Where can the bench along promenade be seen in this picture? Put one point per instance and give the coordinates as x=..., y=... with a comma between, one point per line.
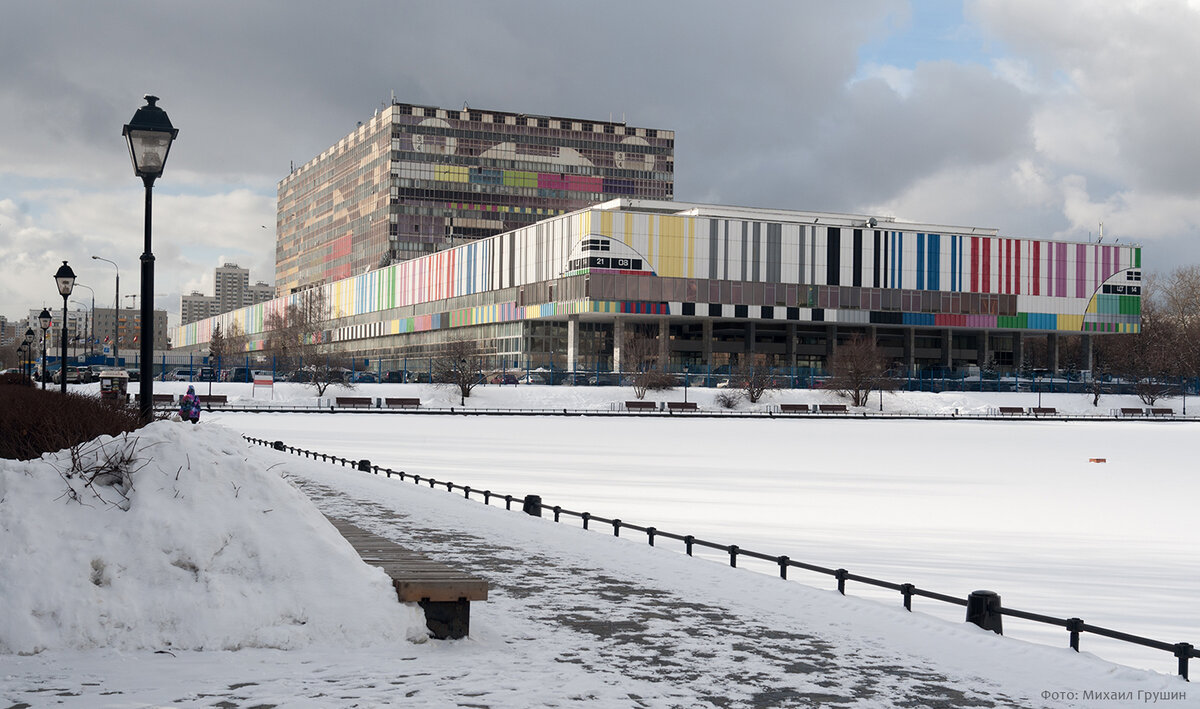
x=983, y=608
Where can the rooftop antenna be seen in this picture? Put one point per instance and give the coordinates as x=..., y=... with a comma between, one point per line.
x=1101, y=233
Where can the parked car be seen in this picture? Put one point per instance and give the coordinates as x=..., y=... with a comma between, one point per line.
x=533, y=378
x=241, y=374
x=363, y=378
x=394, y=376
x=206, y=374
x=74, y=375
x=504, y=379
x=134, y=374
x=181, y=375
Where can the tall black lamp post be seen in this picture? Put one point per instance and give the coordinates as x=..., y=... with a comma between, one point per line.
x=65, y=278
x=149, y=134
x=29, y=355
x=44, y=322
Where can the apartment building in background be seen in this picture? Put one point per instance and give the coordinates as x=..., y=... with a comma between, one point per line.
x=231, y=291
x=414, y=180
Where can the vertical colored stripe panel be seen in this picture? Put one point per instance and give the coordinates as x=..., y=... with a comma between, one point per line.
x=920, y=262
x=833, y=249
x=1017, y=266
x=954, y=263
x=1036, y=276
x=1008, y=244
x=935, y=262
x=1080, y=270
x=985, y=266
x=876, y=265
x=1060, y=270
x=857, y=258
x=974, y=264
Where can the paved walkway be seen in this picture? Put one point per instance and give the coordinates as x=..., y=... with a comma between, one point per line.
x=703, y=654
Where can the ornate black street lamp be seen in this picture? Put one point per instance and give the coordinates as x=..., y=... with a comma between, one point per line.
x=28, y=369
x=44, y=321
x=149, y=134
x=65, y=278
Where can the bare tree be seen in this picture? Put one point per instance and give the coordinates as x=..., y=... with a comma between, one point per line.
x=754, y=378
x=459, y=366
x=858, y=368
x=640, y=353
x=297, y=339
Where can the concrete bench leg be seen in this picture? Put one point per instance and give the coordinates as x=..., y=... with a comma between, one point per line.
x=447, y=619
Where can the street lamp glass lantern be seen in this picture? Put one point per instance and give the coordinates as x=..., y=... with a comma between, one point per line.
x=65, y=278
x=28, y=336
x=44, y=319
x=149, y=134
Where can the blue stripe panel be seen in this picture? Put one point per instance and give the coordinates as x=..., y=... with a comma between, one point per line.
x=934, y=262
x=920, y=262
x=919, y=319
x=954, y=263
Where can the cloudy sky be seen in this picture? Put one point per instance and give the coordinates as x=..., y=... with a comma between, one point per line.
x=1040, y=119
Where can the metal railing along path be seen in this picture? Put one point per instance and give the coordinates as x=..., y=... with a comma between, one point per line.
x=983, y=607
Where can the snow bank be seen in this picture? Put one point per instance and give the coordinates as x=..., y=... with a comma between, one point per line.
x=206, y=549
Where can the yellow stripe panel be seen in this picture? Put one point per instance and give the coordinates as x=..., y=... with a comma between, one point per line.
x=627, y=237
x=1070, y=322
x=690, y=255
x=606, y=223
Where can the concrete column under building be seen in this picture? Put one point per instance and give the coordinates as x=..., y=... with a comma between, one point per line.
x=910, y=349
x=706, y=334
x=749, y=336
x=572, y=342
x=664, y=343
x=983, y=349
x=790, y=345
x=1018, y=351
x=1052, y=352
x=830, y=342
x=618, y=342
x=948, y=349
x=1085, y=352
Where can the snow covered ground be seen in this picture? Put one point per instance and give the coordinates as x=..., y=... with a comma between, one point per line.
x=583, y=618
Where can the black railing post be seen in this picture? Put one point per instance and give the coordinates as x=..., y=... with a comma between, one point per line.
x=687, y=542
x=733, y=552
x=278, y=445
x=783, y=566
x=907, y=590
x=467, y=492
x=487, y=495
x=364, y=466
x=557, y=512
x=1074, y=625
x=1183, y=651
x=840, y=575
x=508, y=502
x=586, y=516
x=533, y=505
x=616, y=527
x=650, y=532
x=983, y=609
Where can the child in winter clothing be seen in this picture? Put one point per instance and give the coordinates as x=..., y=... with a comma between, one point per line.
x=189, y=406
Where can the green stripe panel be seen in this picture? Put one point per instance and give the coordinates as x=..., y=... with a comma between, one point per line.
x=1137, y=257
x=1018, y=321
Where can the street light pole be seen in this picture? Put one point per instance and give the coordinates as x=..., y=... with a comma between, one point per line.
x=149, y=134
x=65, y=278
x=90, y=330
x=116, y=312
x=44, y=321
x=28, y=365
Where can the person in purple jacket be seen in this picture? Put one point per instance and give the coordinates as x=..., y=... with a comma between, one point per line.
x=189, y=406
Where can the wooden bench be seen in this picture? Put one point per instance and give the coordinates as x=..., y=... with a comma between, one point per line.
x=1011, y=410
x=1043, y=411
x=393, y=402
x=210, y=399
x=355, y=402
x=681, y=406
x=641, y=405
x=831, y=408
x=793, y=408
x=157, y=398
x=444, y=593
x=1162, y=412
x=1130, y=411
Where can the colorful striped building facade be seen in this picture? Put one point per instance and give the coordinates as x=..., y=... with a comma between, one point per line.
x=721, y=283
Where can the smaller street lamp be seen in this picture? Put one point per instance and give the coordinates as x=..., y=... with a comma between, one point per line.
x=65, y=279
x=28, y=355
x=462, y=382
x=44, y=321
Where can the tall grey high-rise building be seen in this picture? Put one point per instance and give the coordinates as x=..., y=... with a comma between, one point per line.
x=231, y=291
x=413, y=180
